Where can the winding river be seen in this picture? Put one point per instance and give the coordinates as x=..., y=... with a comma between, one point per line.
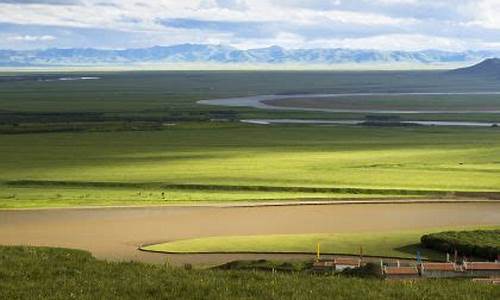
x=259, y=102
x=116, y=233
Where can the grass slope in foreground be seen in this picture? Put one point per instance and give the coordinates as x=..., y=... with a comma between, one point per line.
x=242, y=157
x=44, y=273
x=403, y=244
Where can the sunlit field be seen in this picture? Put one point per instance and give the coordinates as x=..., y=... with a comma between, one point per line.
x=391, y=161
x=250, y=149
x=403, y=244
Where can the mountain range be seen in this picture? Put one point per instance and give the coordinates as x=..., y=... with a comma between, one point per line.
x=220, y=54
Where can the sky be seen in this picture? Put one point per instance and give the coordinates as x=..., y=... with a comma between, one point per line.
x=411, y=25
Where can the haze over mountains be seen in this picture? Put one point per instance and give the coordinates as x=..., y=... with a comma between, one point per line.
x=219, y=54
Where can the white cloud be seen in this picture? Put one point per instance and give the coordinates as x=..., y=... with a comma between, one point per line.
x=384, y=24
x=32, y=38
x=486, y=13
x=224, y=4
x=405, y=42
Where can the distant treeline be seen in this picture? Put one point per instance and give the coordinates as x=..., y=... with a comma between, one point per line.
x=25, y=128
x=8, y=117
x=17, y=123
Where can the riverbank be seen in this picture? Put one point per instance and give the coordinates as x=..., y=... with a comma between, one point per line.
x=116, y=233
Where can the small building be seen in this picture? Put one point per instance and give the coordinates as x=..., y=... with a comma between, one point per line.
x=400, y=273
x=324, y=265
x=337, y=264
x=482, y=269
x=346, y=263
x=440, y=270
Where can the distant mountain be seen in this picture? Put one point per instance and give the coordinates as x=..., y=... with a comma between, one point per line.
x=218, y=54
x=488, y=68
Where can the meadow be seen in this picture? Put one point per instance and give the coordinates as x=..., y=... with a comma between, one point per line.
x=41, y=194
x=139, y=138
x=167, y=96
x=245, y=162
x=42, y=273
x=400, y=244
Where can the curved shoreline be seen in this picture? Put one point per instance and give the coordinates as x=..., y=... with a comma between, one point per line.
x=277, y=253
x=259, y=102
x=115, y=234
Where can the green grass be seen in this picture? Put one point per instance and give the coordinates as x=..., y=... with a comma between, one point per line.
x=243, y=162
x=44, y=273
x=161, y=96
x=403, y=244
x=268, y=265
x=111, y=131
x=56, y=196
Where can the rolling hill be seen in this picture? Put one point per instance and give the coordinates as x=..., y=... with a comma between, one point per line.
x=487, y=68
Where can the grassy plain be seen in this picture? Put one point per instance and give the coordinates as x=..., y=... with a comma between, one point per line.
x=118, y=152
x=244, y=162
x=43, y=273
x=403, y=244
x=38, y=196
x=140, y=138
x=171, y=96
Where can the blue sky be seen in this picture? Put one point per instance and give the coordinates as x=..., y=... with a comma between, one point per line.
x=364, y=24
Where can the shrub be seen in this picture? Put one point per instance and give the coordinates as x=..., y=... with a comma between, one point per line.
x=477, y=243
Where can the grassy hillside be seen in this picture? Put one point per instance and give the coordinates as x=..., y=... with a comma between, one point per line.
x=240, y=162
x=487, y=68
x=43, y=273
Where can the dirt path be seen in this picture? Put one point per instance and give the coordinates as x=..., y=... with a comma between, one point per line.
x=115, y=233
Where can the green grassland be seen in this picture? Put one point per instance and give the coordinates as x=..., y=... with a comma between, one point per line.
x=38, y=196
x=44, y=273
x=170, y=96
x=139, y=138
x=245, y=162
x=402, y=244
